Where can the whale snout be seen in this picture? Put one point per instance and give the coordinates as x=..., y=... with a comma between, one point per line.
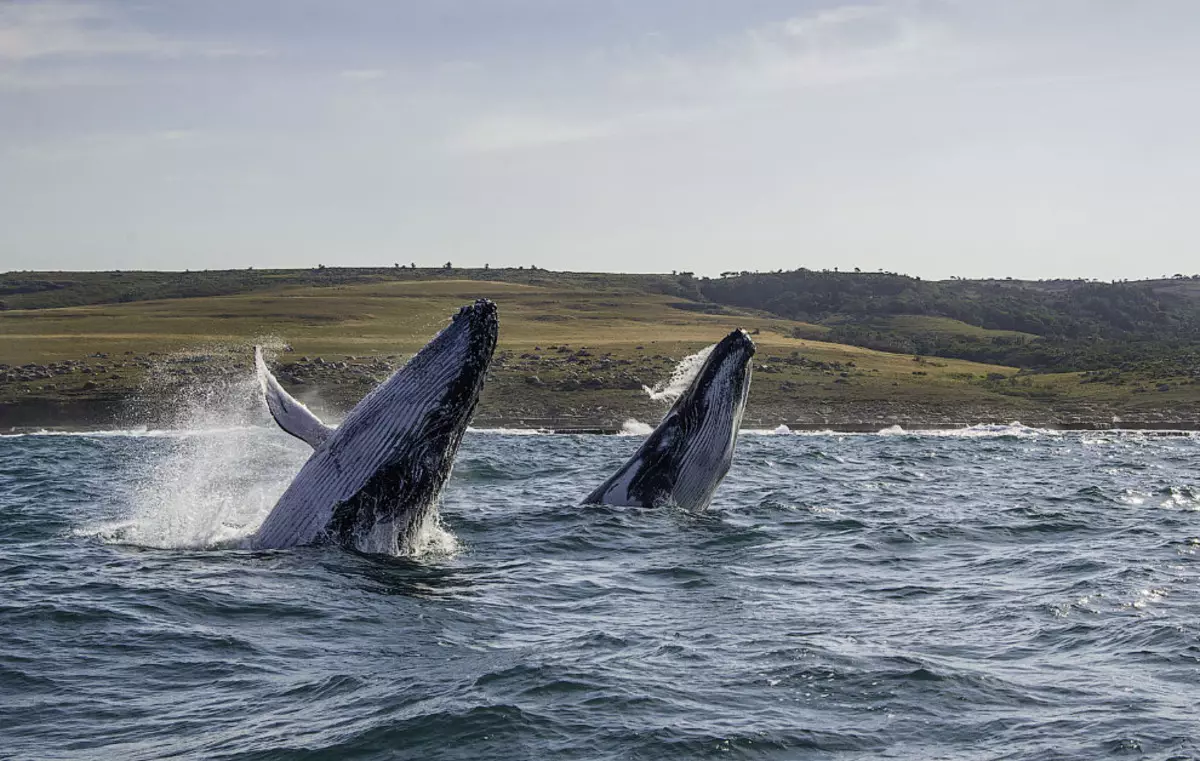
x=738, y=341
x=483, y=310
x=480, y=322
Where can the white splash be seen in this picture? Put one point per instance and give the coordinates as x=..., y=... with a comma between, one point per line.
x=779, y=430
x=219, y=470
x=434, y=540
x=633, y=427
x=1131, y=497
x=1181, y=498
x=978, y=431
x=214, y=486
x=681, y=377
x=137, y=432
x=1014, y=428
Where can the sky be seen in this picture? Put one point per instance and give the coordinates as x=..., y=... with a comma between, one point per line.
x=939, y=138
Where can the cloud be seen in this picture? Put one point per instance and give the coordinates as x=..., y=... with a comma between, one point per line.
x=110, y=146
x=835, y=46
x=651, y=86
x=40, y=30
x=17, y=77
x=176, y=134
x=515, y=132
x=848, y=26
x=511, y=131
x=35, y=30
x=364, y=74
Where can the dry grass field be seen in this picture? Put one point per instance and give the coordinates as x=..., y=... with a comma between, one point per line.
x=570, y=353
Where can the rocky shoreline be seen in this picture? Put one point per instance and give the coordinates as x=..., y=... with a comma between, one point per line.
x=558, y=388
x=117, y=412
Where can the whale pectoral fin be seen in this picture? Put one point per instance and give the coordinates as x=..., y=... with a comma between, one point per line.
x=291, y=415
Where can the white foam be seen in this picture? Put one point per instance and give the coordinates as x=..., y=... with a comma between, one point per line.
x=633, y=427
x=1131, y=497
x=140, y=432
x=681, y=377
x=434, y=540
x=779, y=430
x=1182, y=498
x=980, y=430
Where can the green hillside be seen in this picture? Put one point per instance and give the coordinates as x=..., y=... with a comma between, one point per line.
x=575, y=348
x=1051, y=326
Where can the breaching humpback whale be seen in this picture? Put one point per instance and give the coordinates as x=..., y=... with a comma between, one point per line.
x=685, y=458
x=372, y=482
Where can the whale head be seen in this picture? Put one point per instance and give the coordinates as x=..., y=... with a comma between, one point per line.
x=407, y=433
x=373, y=481
x=688, y=454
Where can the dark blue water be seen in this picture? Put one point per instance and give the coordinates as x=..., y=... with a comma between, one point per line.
x=1008, y=594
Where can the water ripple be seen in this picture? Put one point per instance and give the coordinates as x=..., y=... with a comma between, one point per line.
x=1002, y=592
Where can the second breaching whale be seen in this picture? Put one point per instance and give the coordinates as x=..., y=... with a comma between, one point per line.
x=683, y=461
x=372, y=483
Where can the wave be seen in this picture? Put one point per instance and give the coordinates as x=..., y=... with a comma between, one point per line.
x=633, y=427
x=140, y=432
x=979, y=430
x=779, y=430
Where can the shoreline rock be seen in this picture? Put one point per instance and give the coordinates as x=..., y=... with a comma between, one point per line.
x=117, y=411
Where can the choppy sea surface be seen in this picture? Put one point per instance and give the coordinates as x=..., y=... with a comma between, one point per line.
x=995, y=593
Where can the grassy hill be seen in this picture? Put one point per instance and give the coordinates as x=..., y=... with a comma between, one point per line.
x=575, y=349
x=1050, y=326
x=48, y=290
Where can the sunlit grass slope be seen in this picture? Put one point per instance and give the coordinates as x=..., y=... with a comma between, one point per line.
x=568, y=351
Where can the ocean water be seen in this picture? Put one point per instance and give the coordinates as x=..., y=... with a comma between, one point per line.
x=998, y=593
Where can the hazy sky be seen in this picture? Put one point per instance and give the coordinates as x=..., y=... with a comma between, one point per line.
x=1033, y=138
